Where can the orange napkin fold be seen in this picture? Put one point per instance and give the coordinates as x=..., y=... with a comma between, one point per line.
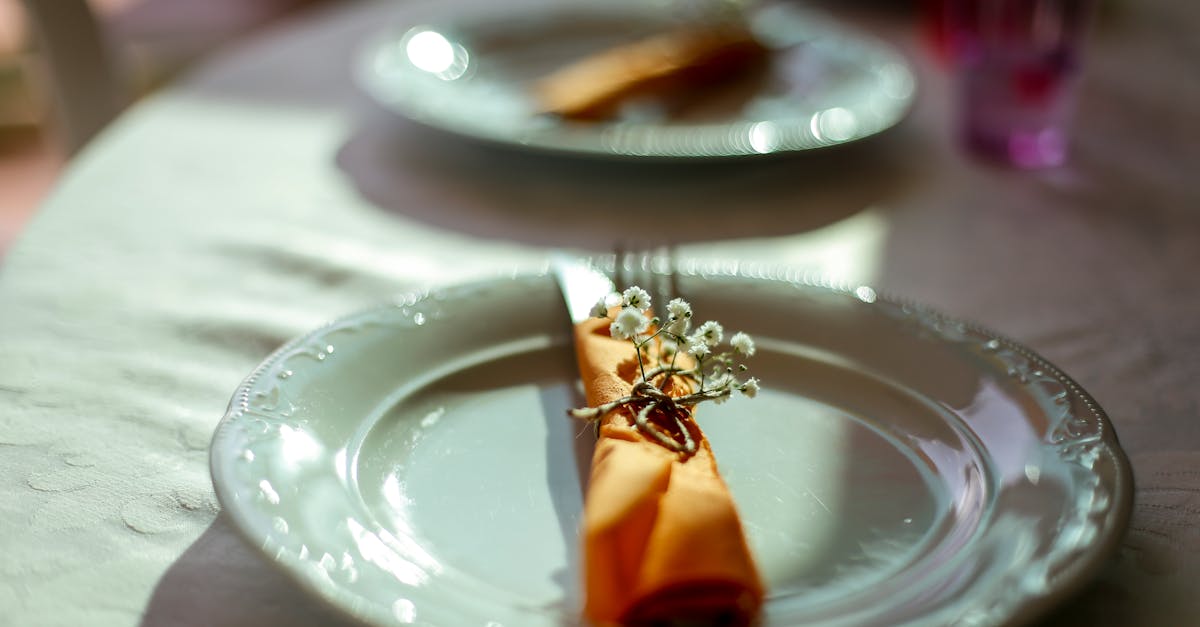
x=661, y=536
x=593, y=87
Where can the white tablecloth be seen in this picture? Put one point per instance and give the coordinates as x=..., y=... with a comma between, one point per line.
x=264, y=195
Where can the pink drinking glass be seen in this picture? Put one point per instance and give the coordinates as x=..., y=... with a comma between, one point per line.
x=1017, y=64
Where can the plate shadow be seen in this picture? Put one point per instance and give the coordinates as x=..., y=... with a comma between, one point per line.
x=209, y=584
x=540, y=199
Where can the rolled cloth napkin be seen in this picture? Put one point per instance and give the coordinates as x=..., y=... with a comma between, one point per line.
x=595, y=86
x=662, y=539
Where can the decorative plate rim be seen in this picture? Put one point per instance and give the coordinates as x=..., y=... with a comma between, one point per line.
x=1020, y=609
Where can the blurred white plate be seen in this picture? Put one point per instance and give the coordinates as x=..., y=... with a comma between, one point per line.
x=470, y=75
x=414, y=464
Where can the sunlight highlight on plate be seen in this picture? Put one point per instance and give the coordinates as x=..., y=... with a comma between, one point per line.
x=432, y=52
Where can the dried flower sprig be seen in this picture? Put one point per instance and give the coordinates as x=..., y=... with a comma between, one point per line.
x=658, y=345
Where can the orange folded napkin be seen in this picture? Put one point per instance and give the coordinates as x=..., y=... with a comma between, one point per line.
x=661, y=536
x=593, y=87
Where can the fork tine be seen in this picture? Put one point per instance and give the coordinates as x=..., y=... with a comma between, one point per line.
x=653, y=269
x=668, y=275
x=621, y=277
x=658, y=269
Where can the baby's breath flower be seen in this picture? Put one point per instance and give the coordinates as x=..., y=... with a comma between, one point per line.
x=600, y=309
x=742, y=344
x=679, y=317
x=678, y=326
x=711, y=378
x=719, y=380
x=710, y=333
x=629, y=323
x=679, y=308
x=636, y=297
x=750, y=387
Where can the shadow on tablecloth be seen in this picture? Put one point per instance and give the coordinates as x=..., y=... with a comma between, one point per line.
x=220, y=581
x=541, y=199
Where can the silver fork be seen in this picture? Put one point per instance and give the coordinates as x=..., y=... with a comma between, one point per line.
x=583, y=284
x=584, y=281
x=653, y=270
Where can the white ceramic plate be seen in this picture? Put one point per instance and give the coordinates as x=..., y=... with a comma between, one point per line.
x=414, y=464
x=471, y=75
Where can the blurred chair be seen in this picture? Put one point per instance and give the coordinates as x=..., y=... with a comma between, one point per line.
x=99, y=61
x=82, y=79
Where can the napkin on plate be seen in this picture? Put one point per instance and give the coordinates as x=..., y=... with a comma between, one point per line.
x=662, y=539
x=595, y=86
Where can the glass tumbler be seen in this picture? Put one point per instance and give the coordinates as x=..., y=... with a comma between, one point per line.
x=1017, y=66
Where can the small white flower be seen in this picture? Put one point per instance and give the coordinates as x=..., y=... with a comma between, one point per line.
x=636, y=297
x=629, y=323
x=742, y=344
x=697, y=347
x=600, y=309
x=678, y=326
x=679, y=317
x=750, y=387
x=710, y=333
x=679, y=308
